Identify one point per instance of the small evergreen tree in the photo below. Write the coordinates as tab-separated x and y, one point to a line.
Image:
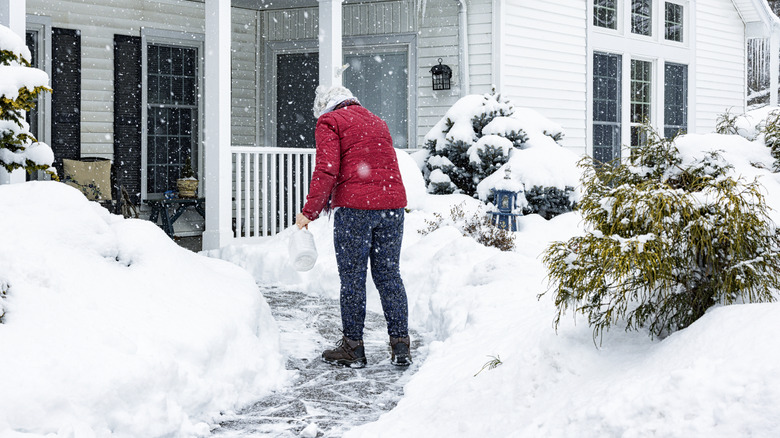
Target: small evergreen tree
467	165
18	147
664	242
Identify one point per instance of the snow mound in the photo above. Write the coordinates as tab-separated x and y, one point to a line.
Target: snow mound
111	329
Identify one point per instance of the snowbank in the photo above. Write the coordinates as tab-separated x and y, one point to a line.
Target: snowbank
718	378
111	329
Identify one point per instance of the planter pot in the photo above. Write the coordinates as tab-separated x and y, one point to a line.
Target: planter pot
188	188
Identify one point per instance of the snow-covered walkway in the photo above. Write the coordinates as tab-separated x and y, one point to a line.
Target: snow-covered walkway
323	400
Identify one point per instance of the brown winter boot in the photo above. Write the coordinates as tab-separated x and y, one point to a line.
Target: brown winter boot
400	353
348	353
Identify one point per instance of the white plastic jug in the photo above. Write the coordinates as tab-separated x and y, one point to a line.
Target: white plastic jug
303	252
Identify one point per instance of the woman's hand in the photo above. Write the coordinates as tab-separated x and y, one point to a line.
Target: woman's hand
302	221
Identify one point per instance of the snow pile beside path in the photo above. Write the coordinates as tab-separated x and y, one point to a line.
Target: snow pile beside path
111	329
718	378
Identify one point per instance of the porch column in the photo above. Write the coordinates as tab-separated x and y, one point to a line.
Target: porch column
12	15
216	128
330	41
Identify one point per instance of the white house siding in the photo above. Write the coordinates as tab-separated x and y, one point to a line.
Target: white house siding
480	37
98	21
246	117
544	61
437	38
720	62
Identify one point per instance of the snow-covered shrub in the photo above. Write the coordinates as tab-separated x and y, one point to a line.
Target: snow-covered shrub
477	227
3	292
481	135
463	150
549	202
772	136
20	85
726	124
665	240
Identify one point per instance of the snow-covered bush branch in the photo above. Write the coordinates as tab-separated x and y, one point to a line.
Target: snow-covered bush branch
20	85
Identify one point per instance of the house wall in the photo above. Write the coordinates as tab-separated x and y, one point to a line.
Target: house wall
720	62
98	21
544	59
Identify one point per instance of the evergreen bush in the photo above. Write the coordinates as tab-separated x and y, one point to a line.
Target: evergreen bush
2	303
548	202
664	242
726	124
18	147
772	137
466	155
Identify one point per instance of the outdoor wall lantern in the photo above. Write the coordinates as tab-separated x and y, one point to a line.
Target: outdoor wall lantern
505	197
441	75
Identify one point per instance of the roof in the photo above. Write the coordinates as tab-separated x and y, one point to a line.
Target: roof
757	16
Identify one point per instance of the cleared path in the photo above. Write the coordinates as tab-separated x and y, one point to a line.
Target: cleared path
323	400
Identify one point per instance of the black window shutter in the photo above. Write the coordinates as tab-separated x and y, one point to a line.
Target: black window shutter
66	97
127	114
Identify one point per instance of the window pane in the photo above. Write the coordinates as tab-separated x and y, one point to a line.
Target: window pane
758	79
641	17
673	22
606	106
380	82
33	114
605	13
641	95
675	99
171	111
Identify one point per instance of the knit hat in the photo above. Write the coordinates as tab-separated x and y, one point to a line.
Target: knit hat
326	98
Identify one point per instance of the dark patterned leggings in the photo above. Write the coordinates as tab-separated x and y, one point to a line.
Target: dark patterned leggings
360	235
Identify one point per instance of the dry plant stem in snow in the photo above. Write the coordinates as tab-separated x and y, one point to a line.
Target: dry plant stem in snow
477	227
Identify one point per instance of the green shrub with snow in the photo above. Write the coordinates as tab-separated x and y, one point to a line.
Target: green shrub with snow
666	239
772	136
20	85
481	136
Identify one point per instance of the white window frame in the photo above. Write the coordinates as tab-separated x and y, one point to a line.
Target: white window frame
639	47
181	39
42	26
619	13
351	45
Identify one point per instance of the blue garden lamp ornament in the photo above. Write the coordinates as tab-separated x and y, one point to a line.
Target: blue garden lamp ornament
505	195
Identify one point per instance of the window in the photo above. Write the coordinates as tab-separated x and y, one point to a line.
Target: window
605	13
172	113
641	94
380	81
675	99
642	17
38	40
606	106
673	22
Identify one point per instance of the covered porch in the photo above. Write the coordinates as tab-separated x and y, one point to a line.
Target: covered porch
250	190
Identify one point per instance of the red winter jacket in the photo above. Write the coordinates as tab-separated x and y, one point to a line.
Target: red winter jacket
356	165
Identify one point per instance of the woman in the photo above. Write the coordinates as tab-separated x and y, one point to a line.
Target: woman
356	173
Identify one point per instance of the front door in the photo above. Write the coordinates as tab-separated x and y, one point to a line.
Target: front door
297	75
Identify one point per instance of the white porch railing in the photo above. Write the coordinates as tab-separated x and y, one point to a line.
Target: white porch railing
269	188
